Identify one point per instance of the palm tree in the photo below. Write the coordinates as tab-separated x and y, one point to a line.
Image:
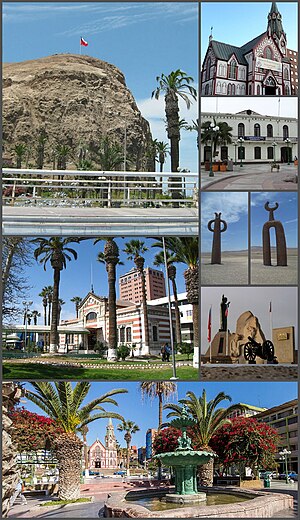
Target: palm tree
186	251
44	296
56	251
60	304
134	249
42	138
171	258
209	420
110	257
161	389
162	150
64	403
84	431
220	137
62	151
20	150
175	85
35	315
129	427
109	155
194	127
77	300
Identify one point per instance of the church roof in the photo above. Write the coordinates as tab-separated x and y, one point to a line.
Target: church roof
224	51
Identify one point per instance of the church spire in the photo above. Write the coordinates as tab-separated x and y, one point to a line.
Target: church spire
275	27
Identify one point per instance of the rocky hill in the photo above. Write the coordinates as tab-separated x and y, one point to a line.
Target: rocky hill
76	100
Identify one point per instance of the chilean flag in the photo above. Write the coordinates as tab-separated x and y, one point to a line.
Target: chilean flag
209	326
83	42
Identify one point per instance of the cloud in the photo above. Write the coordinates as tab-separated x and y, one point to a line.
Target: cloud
232	206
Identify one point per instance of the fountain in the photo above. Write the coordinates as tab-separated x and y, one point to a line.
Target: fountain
184	461
186	501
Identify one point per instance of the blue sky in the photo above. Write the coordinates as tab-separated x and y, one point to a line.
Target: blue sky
76	279
145	413
234	209
254	299
251	18
143	39
287	213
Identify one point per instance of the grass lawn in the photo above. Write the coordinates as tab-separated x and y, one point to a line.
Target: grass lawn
34	371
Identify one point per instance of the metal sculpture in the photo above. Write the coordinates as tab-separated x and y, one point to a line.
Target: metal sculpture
216	230
264	351
280	238
224	306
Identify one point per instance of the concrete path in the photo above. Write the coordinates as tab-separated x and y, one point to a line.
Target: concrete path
222	372
251	177
50	221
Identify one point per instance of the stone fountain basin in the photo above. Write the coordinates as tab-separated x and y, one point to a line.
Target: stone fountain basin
261	504
184	458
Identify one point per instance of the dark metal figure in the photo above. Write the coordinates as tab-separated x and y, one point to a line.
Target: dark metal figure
224	313
216	230
280	238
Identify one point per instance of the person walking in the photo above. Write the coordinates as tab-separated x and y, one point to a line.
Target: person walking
18	493
163	353
167	351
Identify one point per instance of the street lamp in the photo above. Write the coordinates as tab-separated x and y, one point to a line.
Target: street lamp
274	144
26	309
287	141
284	457
235	144
213	128
240	141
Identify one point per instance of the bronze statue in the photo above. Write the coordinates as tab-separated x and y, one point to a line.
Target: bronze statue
280	238
224	313
216	230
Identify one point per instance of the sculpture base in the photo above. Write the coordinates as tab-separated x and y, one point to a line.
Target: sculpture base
185	499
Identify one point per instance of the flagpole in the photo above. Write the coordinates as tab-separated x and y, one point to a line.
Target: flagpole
209	332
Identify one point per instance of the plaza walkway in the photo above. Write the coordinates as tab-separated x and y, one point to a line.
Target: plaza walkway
251	177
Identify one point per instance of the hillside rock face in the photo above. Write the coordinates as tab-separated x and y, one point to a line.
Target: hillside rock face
77	100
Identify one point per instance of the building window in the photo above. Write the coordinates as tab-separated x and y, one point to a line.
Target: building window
241	130
221	69
287	90
256	130
224	88
285	131
208	65
91	316
233	90
232	70
155	333
250	90
243	90
285	74
270	152
269	130
258	90
257	152
241	152
128	334
206	92
122	334
268	53
224	153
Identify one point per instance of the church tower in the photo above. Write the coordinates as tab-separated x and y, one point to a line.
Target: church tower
110	439
275	28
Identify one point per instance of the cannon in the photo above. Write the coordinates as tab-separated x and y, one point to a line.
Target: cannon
264	351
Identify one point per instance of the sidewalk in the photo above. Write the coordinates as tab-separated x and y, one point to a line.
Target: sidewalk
251	176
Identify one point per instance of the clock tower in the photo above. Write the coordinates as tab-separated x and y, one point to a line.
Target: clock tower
110	439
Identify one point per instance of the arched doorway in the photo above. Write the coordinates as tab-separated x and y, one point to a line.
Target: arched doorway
92	339
270	87
286	154
207	153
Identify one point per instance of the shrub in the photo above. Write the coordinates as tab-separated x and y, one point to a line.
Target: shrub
186	349
123	352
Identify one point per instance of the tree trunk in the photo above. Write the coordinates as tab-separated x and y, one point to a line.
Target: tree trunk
45	323
14	242
177	313
68	448
112	312
160	410
11	394
127	438
191	276
54	340
206	473
196	324
19	162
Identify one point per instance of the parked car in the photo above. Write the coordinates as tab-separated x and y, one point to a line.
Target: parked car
292	475
121	472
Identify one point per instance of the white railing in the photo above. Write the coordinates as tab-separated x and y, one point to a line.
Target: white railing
98	188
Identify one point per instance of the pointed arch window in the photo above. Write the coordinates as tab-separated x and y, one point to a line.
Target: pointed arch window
232	69
268	53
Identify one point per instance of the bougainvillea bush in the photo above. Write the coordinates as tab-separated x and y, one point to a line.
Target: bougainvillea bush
246	442
33	432
166	440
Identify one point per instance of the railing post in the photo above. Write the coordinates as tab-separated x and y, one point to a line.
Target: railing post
109	194
13	194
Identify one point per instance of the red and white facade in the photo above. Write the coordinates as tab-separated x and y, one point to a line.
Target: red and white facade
93	318
105	455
